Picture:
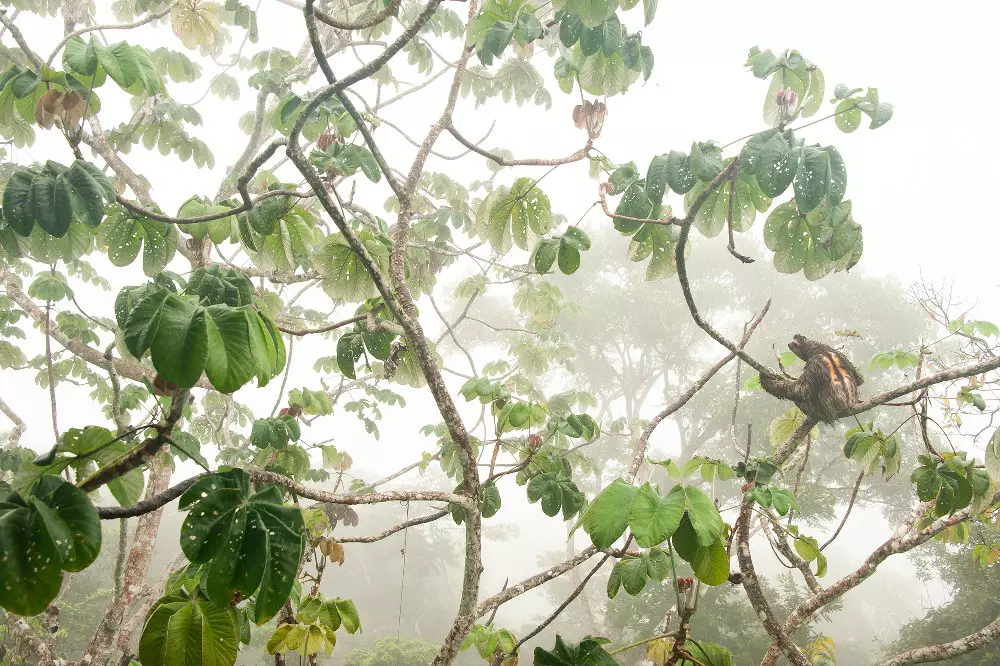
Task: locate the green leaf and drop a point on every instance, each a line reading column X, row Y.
column 253, row 542
column 704, row 517
column 120, row 63
column 654, row 519
column 606, row 518
column 587, row 653
column 593, row 12
column 179, row 630
column 55, row 196
column 545, row 254
column 80, row 57
column 649, row 10
column 633, row 574
column 848, row 116
column 812, row 178
column 711, row 564
column 569, row 258
column 776, row 166
column 344, row 275
column 514, row 216
column 707, row 653
column 658, row 176
column 53, row 528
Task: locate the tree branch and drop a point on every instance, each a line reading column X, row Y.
column 573, row 157
column 955, row 648
column 429, row 518
column 640, row 451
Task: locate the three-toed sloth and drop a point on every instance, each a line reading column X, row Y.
column 827, row 386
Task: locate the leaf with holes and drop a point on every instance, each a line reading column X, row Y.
column 124, row 235
column 51, row 529
column 251, row 542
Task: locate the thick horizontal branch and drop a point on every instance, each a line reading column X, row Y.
column 429, row 518
column 956, row 648
column 368, row 498
column 930, row 380
column 147, row 505
column 151, row 504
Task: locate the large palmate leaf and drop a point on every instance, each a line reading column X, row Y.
column 129, row 66
column 823, row 240
column 125, row 234
column 185, row 339
column 181, row 630
column 514, row 216
column 251, row 542
column 344, row 275
column 54, row 196
column 51, row 529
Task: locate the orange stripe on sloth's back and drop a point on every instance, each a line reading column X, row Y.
column 837, row 368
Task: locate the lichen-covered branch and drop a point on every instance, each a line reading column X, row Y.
column 943, row 651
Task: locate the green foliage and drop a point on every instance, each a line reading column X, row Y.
column 195, row 628
column 313, row 403
column 973, row 327
column 392, row 652
column 514, row 215
column 900, row 358
column 808, row 549
column 789, row 72
column 499, row 22
column 488, row 640
column 51, row 528
column 588, row 652
column 124, row 234
column 631, row 572
column 489, row 502
column 251, row 542
column 685, row 515
column 873, row 449
column 230, row 345
column 565, row 248
column 274, row 432
column 54, row 196
column 557, row 492
column 951, row 482
column 50, row 287
column 486, row 391
column 128, row 66
column 767, row 496
column 339, row 159
column 850, row 106
column 992, row 459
